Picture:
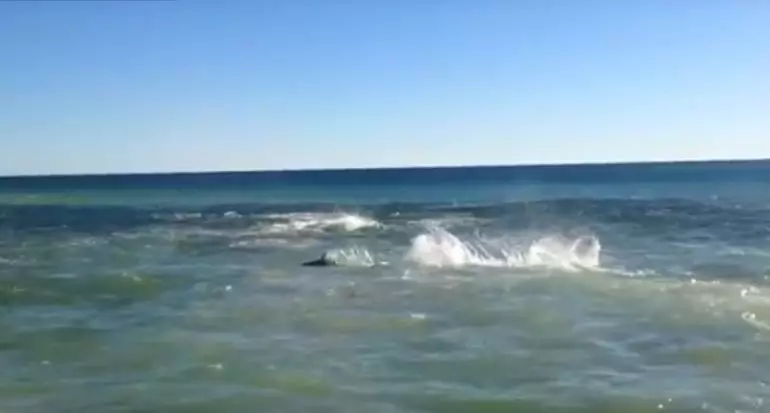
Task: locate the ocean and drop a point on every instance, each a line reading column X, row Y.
column 569, row 289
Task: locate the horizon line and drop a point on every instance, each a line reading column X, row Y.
column 388, row 168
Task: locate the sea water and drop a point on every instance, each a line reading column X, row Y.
column 617, row 288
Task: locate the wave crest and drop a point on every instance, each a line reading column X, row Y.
column 440, row 248
column 316, row 222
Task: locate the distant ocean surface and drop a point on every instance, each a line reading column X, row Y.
column 570, row 289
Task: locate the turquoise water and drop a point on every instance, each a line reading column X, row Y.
column 576, row 289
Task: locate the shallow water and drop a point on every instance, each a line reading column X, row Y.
column 576, row 297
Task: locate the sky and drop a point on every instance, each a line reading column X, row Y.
column 154, row 86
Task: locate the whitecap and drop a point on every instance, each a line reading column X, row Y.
column 316, row 222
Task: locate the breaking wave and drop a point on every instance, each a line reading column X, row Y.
column 316, row 222
column 441, row 248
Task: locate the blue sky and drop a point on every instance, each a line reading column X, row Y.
column 132, row 86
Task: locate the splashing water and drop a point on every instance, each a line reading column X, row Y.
column 198, row 294
column 561, row 252
column 441, row 248
column 351, row 257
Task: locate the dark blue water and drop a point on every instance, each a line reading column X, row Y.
column 533, row 289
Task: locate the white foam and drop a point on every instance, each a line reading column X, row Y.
column 446, row 221
column 232, row 214
column 751, row 319
column 178, row 216
column 314, row 222
column 262, row 242
column 440, row 248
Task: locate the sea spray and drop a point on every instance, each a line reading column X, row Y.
column 440, row 248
